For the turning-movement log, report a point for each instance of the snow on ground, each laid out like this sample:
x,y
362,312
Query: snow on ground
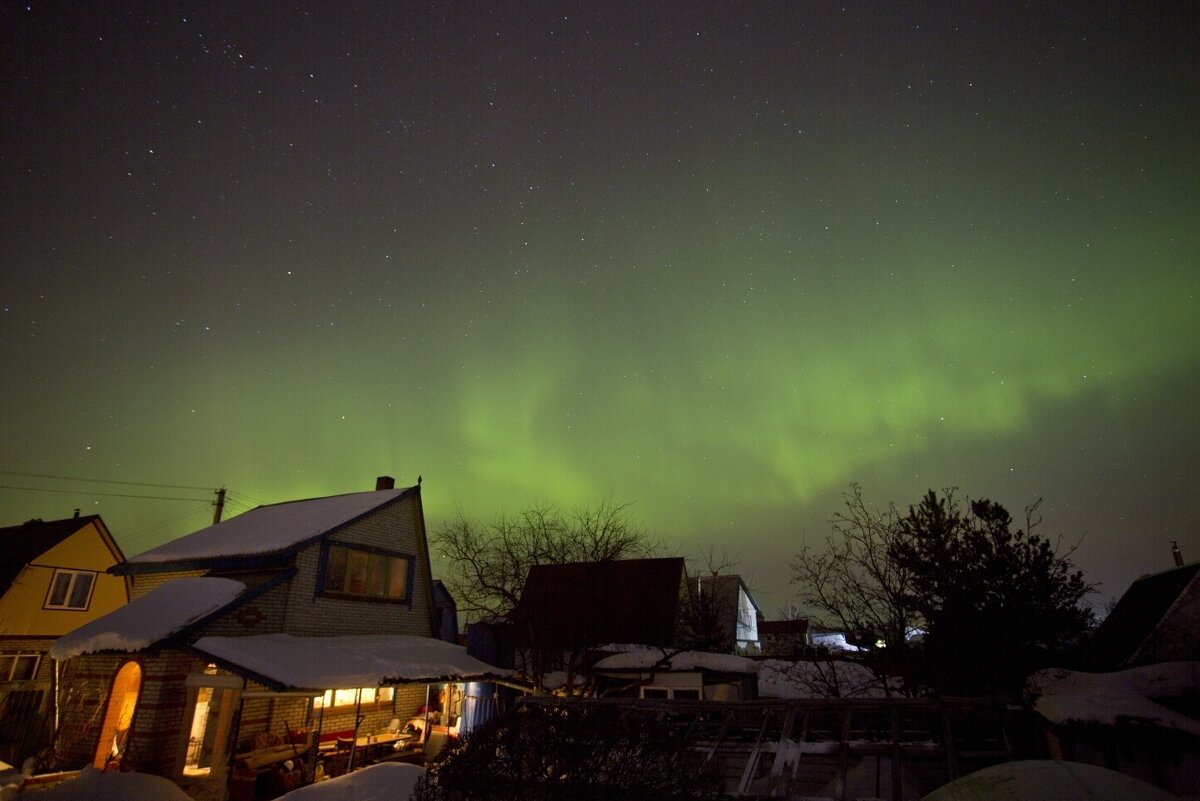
x,y
780,678
387,781
368,660
92,785
269,529
144,621
1064,695
1045,780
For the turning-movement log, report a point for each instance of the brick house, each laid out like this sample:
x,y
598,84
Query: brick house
x,y
177,682
52,579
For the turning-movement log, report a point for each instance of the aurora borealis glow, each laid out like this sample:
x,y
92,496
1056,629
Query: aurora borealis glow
x,y
715,260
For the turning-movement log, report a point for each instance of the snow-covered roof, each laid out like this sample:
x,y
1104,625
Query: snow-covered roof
x,y
684,660
1063,696
368,660
156,615
269,529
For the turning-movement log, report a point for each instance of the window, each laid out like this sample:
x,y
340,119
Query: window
x,y
677,693
70,589
335,698
19,667
365,574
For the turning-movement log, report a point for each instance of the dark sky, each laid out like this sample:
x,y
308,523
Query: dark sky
x,y
715,260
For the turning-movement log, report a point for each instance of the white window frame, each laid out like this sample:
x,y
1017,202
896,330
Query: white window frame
x,y
8,664
70,591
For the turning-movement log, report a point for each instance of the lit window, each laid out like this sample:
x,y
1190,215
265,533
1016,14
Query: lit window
x,y
19,667
336,698
70,589
365,574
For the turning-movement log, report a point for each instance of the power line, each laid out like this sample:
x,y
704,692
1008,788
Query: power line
x,y
106,494
105,481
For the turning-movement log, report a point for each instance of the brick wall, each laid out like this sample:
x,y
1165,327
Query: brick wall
x,y
82,695
395,528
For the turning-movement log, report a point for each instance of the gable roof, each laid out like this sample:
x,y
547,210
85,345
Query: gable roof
x,y
20,545
1138,613
583,604
264,532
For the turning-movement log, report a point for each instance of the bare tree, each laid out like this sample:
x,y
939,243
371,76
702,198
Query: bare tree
x,y
485,564
853,584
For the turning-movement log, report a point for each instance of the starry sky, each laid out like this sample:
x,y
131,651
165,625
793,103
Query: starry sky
x,y
715,260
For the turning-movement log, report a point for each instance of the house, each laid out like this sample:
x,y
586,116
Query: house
x,y
568,611
787,638
1156,620
727,602
52,579
260,638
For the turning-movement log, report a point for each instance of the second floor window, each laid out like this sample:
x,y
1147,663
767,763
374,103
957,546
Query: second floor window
x,y
366,574
70,589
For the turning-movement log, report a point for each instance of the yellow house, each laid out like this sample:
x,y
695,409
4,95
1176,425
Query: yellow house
x,y
53,579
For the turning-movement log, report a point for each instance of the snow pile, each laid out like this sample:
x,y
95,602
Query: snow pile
x,y
269,529
387,781
1062,696
92,785
144,621
368,660
779,678
1045,780
661,659
833,640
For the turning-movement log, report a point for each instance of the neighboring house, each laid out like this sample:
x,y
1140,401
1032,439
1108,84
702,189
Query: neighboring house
x,y
788,638
1156,620
727,602
296,621
52,580
569,611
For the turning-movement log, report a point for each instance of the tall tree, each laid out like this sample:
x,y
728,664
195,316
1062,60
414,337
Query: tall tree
x,y
852,584
997,603
485,564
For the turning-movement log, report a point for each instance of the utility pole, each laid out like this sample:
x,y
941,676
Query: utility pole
x,y
219,503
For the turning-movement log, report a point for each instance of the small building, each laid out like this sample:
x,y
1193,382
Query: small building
x,y
225,649
52,579
727,601
785,638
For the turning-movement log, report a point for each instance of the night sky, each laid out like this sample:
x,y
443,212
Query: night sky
x,y
715,260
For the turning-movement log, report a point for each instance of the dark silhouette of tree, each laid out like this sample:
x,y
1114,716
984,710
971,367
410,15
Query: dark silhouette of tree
x,y
853,585
997,603
485,564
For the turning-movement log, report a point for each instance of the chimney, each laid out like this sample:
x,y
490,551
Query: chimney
x,y
385,483
77,515
1176,553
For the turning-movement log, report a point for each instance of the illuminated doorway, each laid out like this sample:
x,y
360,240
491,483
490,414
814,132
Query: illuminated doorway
x,y
214,699
118,716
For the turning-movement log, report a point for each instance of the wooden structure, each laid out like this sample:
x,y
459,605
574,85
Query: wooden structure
x,y
896,749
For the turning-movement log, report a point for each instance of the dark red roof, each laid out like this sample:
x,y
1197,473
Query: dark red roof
x,y
782,628
584,604
20,545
